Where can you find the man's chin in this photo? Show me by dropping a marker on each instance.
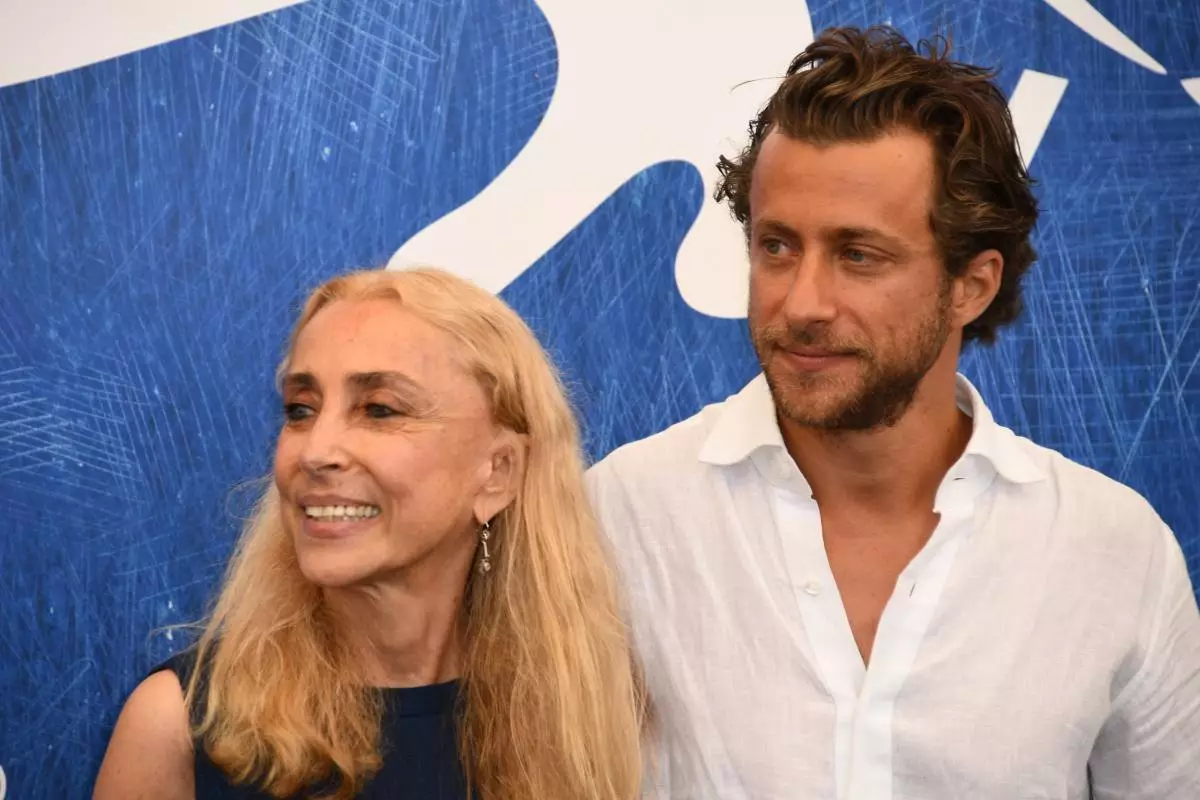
(814, 408)
(816, 388)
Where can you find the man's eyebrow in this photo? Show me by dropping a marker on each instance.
(775, 226)
(861, 233)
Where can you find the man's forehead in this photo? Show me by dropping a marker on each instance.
(891, 175)
(893, 160)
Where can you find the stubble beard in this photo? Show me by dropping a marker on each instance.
(876, 397)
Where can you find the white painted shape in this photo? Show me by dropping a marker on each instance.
(639, 82)
(1092, 22)
(46, 37)
(1192, 87)
(1032, 105)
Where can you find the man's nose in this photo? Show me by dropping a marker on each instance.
(810, 297)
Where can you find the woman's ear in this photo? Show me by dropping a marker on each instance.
(503, 473)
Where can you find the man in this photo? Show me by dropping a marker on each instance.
(848, 581)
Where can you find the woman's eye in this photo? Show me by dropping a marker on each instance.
(379, 411)
(294, 412)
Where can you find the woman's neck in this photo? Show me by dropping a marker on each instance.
(401, 635)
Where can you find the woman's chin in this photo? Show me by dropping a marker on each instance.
(334, 570)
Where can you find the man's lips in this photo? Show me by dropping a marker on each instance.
(811, 359)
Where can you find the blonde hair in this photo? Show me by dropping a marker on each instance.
(550, 704)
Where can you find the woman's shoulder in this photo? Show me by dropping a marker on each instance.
(151, 744)
(160, 695)
(180, 665)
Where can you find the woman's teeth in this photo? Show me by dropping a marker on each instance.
(340, 513)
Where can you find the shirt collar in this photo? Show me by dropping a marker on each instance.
(993, 442)
(746, 422)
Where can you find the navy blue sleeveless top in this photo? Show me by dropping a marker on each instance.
(420, 755)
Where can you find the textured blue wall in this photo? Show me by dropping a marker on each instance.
(162, 215)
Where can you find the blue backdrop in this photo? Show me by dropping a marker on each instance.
(163, 214)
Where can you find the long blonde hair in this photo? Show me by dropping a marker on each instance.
(550, 706)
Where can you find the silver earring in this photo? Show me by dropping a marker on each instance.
(485, 561)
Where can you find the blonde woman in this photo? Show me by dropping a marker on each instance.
(420, 606)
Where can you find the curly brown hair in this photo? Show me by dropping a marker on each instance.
(856, 85)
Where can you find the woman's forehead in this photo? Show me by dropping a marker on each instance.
(379, 344)
(354, 332)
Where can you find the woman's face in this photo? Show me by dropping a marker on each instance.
(388, 454)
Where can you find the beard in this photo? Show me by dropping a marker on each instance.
(876, 396)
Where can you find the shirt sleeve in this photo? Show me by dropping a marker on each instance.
(610, 506)
(1149, 748)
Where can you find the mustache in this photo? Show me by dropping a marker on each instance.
(790, 337)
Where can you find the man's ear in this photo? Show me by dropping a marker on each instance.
(975, 289)
(504, 472)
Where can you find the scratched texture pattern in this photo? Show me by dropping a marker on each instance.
(162, 215)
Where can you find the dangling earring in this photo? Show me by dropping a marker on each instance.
(485, 561)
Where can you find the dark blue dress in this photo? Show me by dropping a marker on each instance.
(420, 756)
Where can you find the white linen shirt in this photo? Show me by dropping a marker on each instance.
(1048, 626)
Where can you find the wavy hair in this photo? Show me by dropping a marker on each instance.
(853, 85)
(550, 704)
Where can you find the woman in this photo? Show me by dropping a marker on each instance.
(420, 602)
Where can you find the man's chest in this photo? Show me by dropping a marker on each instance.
(867, 555)
(751, 711)
(977, 685)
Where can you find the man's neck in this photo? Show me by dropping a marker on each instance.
(889, 470)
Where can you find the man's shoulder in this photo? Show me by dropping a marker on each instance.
(660, 455)
(658, 477)
(1097, 501)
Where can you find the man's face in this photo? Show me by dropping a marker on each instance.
(849, 297)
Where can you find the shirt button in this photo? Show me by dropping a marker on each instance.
(812, 588)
